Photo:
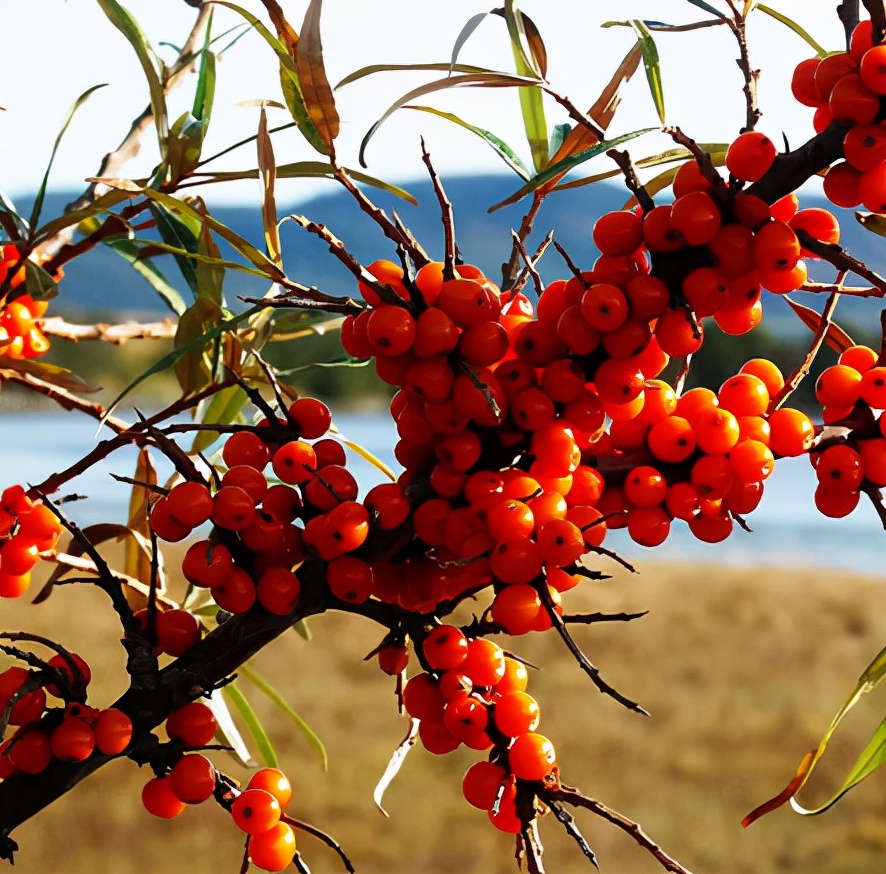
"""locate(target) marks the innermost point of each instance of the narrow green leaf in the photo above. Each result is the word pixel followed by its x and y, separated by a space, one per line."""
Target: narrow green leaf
pixel 531 99
pixel 226 725
pixel 236 699
pixel 469 80
pixel 104 203
pixel 224 408
pixel 199 257
pixel 500 147
pixel 130 251
pixel 707 7
pixel 366 455
pixel 313 740
pixel 41 191
pixel 796 28
pixel 567 164
pixel 51 373
pixel 558 137
pixel 176 233
pixel 128 26
pixel 310 169
pixel 204 93
pixel 185 146
pixel 312 80
pixel 303 629
pixel 415 68
pixel 749 6
pixel 652 65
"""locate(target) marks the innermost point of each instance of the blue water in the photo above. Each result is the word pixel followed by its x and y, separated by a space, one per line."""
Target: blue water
pixel 787 529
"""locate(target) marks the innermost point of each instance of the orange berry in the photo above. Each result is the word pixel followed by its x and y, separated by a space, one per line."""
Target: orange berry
pixel 531 757
pixel 193 724
pixel 481 784
pixel 160 800
pixel 193 778
pixel 113 732
pixel 274 849
pixel 750 155
pixel 72 740
pixel 255 811
pixel 272 780
pixel 696 218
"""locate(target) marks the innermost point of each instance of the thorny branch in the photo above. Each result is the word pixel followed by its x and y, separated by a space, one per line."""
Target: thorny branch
pixel 751 76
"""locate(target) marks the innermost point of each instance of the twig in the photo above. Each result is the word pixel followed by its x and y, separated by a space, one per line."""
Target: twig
pixel 851 291
pixel 115 334
pixel 529 263
pixel 583 661
pixel 632 182
pixel 841 259
pixel 568 795
pixel 591 618
pixel 571 265
pixel 848 13
pixel 602 550
pixel 446 216
pixel 802 370
pixel 322 836
pixel 336 247
pixel 565 818
pixel 751 76
pixel 877 10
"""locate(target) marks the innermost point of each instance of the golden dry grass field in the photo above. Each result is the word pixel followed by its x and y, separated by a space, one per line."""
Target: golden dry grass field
pixel 741 668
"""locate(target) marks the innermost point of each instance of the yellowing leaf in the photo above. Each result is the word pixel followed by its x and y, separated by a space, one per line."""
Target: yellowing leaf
pixel 312 80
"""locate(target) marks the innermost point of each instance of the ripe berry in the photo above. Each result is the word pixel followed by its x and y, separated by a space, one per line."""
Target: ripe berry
pixel 272 780
pixel 532 757
pixel 193 778
pixel 160 800
pixel 255 811
pixel 274 849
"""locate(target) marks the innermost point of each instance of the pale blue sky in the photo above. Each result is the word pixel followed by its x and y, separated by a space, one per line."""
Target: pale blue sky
pixel 52 50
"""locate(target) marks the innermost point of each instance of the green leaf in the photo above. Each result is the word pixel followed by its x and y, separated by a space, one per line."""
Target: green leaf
pixel 185 146
pixel 310 169
pixel 468 80
pixel 366 455
pixel 312 80
pixel 41 191
pixel 40 285
pixel 567 164
pixel 218 702
pixel 178 234
pixel 288 79
pixel 371 69
pixel 51 373
pixel 531 99
pixel 128 26
pixel 558 137
pixel 267 166
pixel 873 755
pixel 210 268
pixel 253 724
pixel 130 252
pixel 652 65
pixel 788 22
pixel 204 93
pixel 224 408
pixel 501 148
pixel 313 740
pixel 707 7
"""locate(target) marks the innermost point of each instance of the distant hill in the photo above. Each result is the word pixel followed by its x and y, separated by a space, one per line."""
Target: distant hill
pixel 101 281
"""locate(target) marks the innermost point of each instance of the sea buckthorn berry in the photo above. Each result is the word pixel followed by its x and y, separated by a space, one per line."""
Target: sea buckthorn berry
pixel 164 526
pixel 516 560
pixel 77 681
pixel 873 387
pixel 706 290
pixel 160 800
pixel 791 432
pixel 481 784
pixel 436 737
pixel 264 533
pixel 864 146
pixel 516 713
pixel 484 663
pixel 72 740
pixel 249 479
pixel 841 185
pixel 733 250
pixel 648 526
pixel 429 281
pixel 872 69
pixel 278 590
pixel 618 233
pixel 294 462
pixel 330 487
pixel 604 306
pixel 839 467
pixel 236 592
pixel 862 38
pixel 113 732
pixel 716 431
pixel 255 811
pixel 465 716
pixel 393 659
pixel 712 476
pixel 189 504
pixel 312 417
pixel 750 155
pixel 738 321
pixel 177 631
pixel 193 778
pixel 515 677
pixel 853 101
pixel 644 486
pixel 193 724
pixel 830 70
pixel 468 302
pixel 860 358
pixel 532 757
pixel 752 461
pixel 29 708
pixel 274 849
pixel 872 189
pixel 658 232
pixel 711 529
pixel 483 344
pixel 246 447
pixel 803 83
pixel 838 386
pixel 690 178
pixel 560 542
pixel 31 752
pixel 445 648
pixel 506 819
pixel 272 780
pixel 696 218
pixel 387 273
pixel 776 247
pixel 206 563
pixel 768 372
pixel 744 395
pixel 233 508
pixel 672 439
pixel 873 457
pixel 515 608
pixel 835 503
pixel 422 698
pixel 677 334
pixel 682 501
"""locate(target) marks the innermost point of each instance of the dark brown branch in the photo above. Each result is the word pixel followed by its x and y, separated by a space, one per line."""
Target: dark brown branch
pixel 565 818
pixel 568 795
pixel 446 215
pixel 877 11
pixel 848 13
pixel 511 268
pixel 632 182
pixel 841 259
pixel 591 618
pixel 751 76
pixel 330 842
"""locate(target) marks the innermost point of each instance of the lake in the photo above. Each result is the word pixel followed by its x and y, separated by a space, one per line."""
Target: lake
pixel 787 529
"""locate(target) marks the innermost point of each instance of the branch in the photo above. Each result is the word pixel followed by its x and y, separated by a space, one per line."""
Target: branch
pixel 841 259
pixel 751 76
pixel 848 14
pixel 115 334
pixel 568 795
pixel 623 159
pixel 446 216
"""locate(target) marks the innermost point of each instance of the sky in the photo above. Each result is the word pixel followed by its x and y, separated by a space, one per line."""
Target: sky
pixel 53 50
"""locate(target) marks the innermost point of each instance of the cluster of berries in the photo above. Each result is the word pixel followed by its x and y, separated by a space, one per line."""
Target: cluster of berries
pixel 845 466
pixel 257 810
pixel 476 695
pixel 72 733
pixel 27 528
pixel 20 333
pixel 848 87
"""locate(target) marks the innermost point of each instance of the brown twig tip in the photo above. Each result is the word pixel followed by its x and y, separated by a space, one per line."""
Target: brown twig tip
pixel 447 216
pixel 632 182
